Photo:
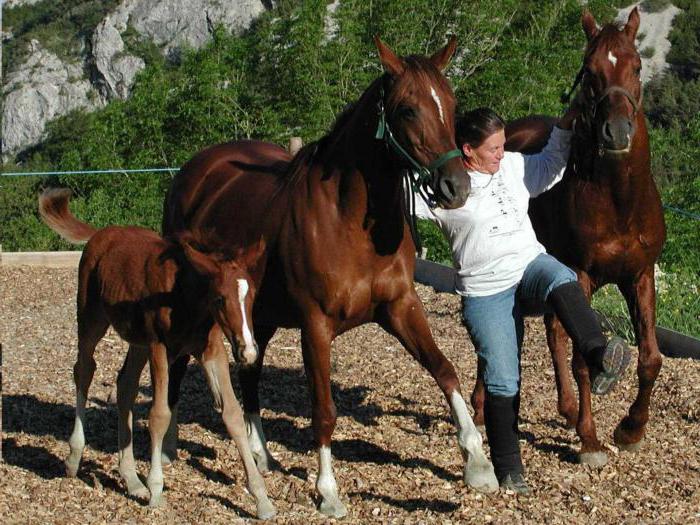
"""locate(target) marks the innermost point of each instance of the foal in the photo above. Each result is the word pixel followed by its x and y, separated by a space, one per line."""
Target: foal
pixel 163 298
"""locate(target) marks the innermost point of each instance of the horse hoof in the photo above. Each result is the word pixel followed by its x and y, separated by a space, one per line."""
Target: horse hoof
pixel 333 507
pixel 480 476
pixel 168 457
pixel 265 510
pixel 596 459
pixel 71 469
pixel 138 492
pixel 157 502
pixel 630 447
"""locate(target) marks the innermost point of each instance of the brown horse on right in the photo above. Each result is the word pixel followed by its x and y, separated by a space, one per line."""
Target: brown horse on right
pixel 604 220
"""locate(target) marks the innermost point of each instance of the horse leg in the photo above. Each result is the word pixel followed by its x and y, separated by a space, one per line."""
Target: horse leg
pixel 316 337
pixel 556 341
pixel 592 452
pixel 405 319
pixel 217 366
pixel 158 420
pixel 479 395
pixel 177 372
pixel 92 325
pixel 127 388
pixel 249 378
pixel 641 300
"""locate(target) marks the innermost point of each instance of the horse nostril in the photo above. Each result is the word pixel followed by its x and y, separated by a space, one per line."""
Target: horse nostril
pixel 447 188
pixel 607 133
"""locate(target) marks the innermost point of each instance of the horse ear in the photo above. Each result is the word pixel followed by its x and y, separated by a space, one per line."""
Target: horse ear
pixel 201 262
pixel 632 24
pixel 442 58
pixel 392 64
pixel 252 253
pixel 589 25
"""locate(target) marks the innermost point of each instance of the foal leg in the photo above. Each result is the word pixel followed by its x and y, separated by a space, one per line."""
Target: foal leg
pixel 232 414
pixel 316 339
pixel 127 388
pixel 92 325
pixel 177 371
pixel 406 319
pixel 249 378
pixel 158 420
pixel 641 300
pixel 592 452
pixel 556 341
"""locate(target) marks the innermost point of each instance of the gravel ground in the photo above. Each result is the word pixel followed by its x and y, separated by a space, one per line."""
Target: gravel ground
pixel 396 458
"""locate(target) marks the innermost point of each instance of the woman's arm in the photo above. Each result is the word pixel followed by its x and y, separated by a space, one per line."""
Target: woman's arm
pixel 545 169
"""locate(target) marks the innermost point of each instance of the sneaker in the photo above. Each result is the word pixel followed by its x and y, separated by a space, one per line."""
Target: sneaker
pixel 515 482
pixel 614 359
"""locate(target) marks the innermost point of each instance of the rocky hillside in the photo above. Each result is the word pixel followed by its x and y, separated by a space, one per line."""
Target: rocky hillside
pixel 48 74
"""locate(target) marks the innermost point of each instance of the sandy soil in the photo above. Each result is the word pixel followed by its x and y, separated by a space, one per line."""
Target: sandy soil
pixel 395 453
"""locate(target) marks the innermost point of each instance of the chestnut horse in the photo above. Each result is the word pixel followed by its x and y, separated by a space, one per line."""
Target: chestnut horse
pixel 340 253
pixel 162 298
pixel 604 220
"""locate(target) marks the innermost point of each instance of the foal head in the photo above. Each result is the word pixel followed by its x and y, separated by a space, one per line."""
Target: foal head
pixel 419 108
pixel 612 89
pixel 231 294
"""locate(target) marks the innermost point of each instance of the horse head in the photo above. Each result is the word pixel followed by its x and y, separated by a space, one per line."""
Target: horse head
pixel 417 120
pixel 611 86
pixel 231 293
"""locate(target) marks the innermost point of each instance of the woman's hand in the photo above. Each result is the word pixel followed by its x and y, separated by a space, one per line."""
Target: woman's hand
pixel 568 118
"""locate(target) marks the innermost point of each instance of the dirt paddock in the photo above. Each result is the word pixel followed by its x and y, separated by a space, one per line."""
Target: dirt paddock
pixel 396 457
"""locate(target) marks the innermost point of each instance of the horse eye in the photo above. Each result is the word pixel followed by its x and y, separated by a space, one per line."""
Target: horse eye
pixel 638 70
pixel 219 301
pixel 406 112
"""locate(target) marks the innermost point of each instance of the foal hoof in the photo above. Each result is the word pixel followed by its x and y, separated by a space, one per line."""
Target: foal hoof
pixel 479 475
pixel 71 469
pixel 168 457
pixel 596 459
pixel 265 509
pixel 333 508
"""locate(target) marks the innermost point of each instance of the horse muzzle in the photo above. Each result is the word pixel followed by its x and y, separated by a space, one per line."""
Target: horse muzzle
pixel 451 187
pixel 616 135
pixel 244 354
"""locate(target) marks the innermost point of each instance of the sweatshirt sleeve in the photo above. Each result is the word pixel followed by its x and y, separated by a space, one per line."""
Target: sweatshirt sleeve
pixel 546 168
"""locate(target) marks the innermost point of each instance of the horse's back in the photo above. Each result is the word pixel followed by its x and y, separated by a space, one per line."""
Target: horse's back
pixel 235 176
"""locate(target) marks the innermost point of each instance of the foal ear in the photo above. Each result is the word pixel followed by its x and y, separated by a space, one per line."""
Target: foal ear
pixel 252 253
pixel 589 25
pixel 201 262
pixel 632 24
pixel 442 58
pixel 392 64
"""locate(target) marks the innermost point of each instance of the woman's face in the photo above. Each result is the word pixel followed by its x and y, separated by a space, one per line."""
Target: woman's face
pixel 486 158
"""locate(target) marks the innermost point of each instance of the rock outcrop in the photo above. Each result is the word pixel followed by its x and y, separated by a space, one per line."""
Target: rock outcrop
pixel 44 88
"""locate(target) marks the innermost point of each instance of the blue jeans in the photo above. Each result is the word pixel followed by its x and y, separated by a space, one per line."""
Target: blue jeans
pixel 495 322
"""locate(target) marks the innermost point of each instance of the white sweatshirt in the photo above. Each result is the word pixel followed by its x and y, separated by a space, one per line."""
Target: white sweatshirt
pixel 491 236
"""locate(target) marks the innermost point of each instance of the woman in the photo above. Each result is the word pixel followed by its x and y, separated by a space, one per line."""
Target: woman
pixel 500 263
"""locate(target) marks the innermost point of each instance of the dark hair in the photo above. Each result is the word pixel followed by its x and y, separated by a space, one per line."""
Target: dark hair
pixel 475 126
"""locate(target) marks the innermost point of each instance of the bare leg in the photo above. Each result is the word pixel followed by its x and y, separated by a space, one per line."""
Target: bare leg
pixel 127 388
pixel 406 320
pixel 158 420
pixel 641 300
pixel 592 452
pixel 92 325
pixel 556 340
pixel 249 378
pixel 233 419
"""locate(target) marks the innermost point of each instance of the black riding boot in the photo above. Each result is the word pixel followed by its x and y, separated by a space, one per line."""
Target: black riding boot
pixel 501 418
pixel 607 360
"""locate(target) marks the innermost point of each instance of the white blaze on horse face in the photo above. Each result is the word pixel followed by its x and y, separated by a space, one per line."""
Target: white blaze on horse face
pixel 434 94
pixel 612 58
pixel 247 336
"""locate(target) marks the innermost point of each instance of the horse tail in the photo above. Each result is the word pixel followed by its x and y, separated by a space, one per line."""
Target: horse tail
pixel 53 208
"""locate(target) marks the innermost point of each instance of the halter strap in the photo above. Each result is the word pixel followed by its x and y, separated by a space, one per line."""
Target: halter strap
pixel 422 174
